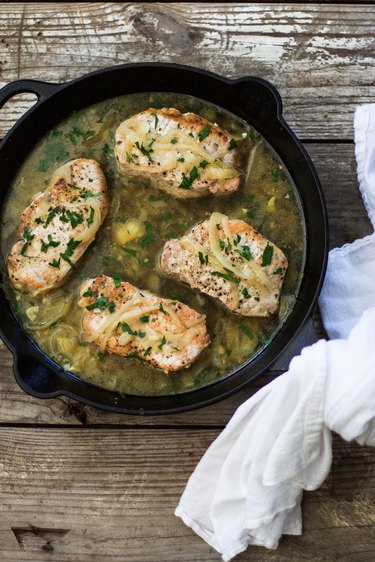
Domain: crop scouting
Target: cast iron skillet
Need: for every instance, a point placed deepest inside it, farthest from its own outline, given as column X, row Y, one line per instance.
column 252, row 99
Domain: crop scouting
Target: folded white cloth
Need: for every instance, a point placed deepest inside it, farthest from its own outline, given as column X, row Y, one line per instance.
column 248, row 486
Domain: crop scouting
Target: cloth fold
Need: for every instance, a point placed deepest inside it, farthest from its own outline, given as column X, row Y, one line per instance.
column 247, row 488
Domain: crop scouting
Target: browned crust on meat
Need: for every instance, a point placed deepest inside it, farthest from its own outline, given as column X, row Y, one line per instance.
column 189, row 332
column 216, row 143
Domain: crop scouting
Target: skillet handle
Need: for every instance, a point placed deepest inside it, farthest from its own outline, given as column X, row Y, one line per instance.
column 41, row 89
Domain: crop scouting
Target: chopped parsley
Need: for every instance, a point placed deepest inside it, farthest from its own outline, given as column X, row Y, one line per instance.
column 147, row 352
column 228, row 276
column 247, row 331
column 89, row 293
column 71, row 246
column 181, row 159
column 267, row 255
column 203, row 164
column 149, row 236
column 88, row 194
column 166, row 216
column 55, row 263
column 163, row 342
column 161, row 308
column 27, row 238
column 49, row 244
column 174, row 140
column 203, row 258
column 127, row 329
column 278, row 271
column 117, row 278
column 144, row 319
column 245, row 253
column 90, row 218
column 187, row 181
column 184, row 223
column 246, row 293
column 111, row 307
column 107, row 149
column 51, row 215
column 204, row 133
column 232, row 144
column 101, row 303
column 130, row 251
column 277, row 174
column 156, row 119
column 39, row 220
column 88, row 135
column 146, row 152
column 71, row 216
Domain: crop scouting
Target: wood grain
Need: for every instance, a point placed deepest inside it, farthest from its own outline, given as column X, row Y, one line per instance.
column 321, row 57
column 348, row 220
column 114, row 492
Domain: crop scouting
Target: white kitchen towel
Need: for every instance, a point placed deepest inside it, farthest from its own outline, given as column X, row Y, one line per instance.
column 248, row 486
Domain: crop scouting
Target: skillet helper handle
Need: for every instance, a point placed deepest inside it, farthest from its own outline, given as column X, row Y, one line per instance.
column 42, row 90
column 306, row 336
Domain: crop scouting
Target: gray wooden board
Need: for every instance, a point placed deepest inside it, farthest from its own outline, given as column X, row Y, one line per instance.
column 321, row 57
column 106, row 491
column 83, row 494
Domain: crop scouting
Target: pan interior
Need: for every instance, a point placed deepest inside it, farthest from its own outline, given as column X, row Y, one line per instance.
column 267, row 199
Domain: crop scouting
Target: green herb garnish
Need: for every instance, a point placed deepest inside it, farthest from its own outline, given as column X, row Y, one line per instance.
column 117, row 278
column 89, row 293
column 111, row 307
column 181, row 159
column 247, row 331
column 278, row 271
column 203, row 258
column 161, row 308
column 90, row 219
column 107, row 149
column 174, row 140
column 245, row 253
column 232, row 144
column 72, row 217
column 51, row 215
column 27, row 238
column 49, row 244
column 71, row 246
column 101, row 303
column 267, row 255
column 144, row 319
column 156, row 119
column 88, row 135
column 149, row 237
column 246, row 293
column 204, row 133
column 55, row 263
column 228, row 276
column 146, row 152
column 203, row 164
column 187, row 181
column 163, row 342
column 147, row 352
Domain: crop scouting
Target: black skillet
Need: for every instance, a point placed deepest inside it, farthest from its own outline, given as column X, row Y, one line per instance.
column 252, row 99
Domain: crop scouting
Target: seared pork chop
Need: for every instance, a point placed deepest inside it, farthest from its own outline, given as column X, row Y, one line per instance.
column 230, row 261
column 181, row 153
column 58, row 226
column 129, row 322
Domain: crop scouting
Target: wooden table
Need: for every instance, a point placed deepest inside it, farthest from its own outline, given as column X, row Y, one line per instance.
column 78, row 484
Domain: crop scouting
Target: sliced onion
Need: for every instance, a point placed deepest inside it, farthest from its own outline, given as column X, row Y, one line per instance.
column 251, row 161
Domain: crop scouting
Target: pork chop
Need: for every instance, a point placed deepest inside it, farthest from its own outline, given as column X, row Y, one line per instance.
column 180, row 153
column 58, row 226
column 129, row 322
column 230, row 261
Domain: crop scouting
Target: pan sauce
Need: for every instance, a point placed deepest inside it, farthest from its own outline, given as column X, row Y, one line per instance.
column 266, row 199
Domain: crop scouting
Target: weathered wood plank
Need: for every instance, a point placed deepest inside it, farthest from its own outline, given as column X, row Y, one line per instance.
column 321, row 57
column 110, row 495
column 348, row 220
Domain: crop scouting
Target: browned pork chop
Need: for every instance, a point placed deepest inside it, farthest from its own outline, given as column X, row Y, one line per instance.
column 181, row 153
column 58, row 226
column 129, row 322
column 229, row 260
